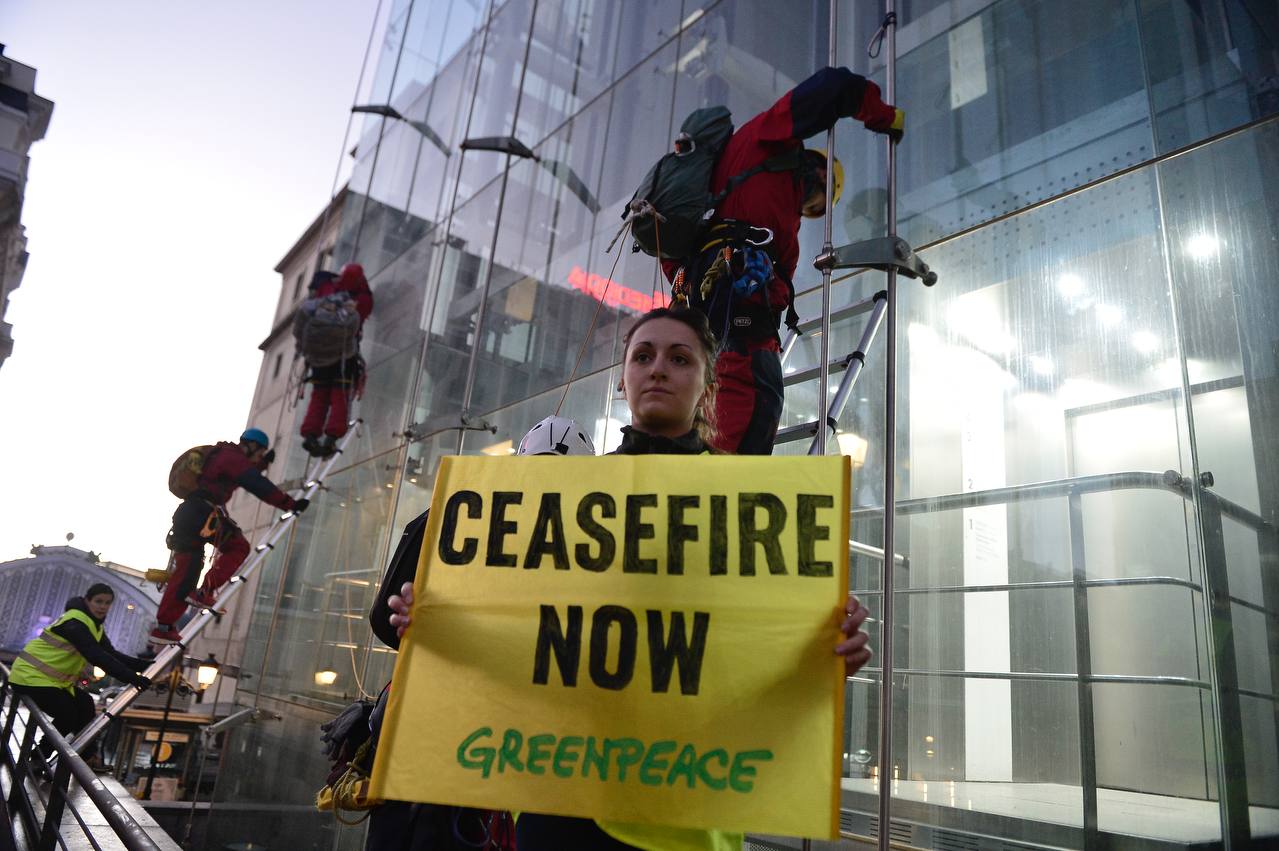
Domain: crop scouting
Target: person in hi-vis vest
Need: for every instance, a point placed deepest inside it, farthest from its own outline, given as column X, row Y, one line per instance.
column 49, row 666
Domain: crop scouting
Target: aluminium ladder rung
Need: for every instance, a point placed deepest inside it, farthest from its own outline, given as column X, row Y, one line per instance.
column 853, row 365
column 204, row 617
column 855, row 309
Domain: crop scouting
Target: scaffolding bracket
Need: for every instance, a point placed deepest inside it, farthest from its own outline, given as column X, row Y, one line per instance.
column 883, row 253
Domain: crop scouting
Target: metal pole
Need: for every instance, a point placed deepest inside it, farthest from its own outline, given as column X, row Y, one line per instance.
column 471, row 365
column 823, row 374
column 823, row 371
column 890, row 456
column 175, row 677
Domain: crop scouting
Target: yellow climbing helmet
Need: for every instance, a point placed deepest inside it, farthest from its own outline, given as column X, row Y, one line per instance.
column 815, row 159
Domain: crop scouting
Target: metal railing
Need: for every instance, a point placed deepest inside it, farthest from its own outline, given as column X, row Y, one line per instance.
column 40, row 798
column 1213, row 585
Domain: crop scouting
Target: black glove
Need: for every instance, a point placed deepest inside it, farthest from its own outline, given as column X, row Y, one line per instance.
column 269, row 457
column 299, row 505
column 143, row 683
column 894, row 129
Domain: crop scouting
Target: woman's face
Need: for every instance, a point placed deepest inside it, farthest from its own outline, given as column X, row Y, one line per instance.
column 664, row 377
column 99, row 605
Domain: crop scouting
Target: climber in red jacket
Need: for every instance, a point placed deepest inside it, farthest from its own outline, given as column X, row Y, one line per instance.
column 755, row 236
column 334, row 385
column 202, row 518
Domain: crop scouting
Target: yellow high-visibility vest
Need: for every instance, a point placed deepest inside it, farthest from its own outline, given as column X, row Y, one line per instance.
column 50, row 660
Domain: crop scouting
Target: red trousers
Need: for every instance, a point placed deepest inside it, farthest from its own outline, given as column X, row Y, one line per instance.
column 748, row 397
column 230, row 554
column 326, row 400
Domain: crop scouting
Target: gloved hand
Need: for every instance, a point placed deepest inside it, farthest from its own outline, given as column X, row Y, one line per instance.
column 299, row 505
column 269, row 457
column 894, row 128
column 143, row 683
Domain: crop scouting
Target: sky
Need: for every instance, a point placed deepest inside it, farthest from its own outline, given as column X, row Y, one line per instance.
column 190, row 146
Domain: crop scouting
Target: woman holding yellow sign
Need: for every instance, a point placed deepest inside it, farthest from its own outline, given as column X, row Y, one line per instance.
column 668, row 380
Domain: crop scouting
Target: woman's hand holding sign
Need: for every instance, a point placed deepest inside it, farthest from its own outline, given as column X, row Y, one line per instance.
column 401, row 604
column 853, row 648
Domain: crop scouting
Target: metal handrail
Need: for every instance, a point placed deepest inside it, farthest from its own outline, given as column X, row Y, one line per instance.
column 1169, row 480
column 69, row 766
column 1214, row 587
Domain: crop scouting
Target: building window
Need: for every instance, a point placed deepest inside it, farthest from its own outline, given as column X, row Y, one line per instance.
column 279, row 361
column 297, row 286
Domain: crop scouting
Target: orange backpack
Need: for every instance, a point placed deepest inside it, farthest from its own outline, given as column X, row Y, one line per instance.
column 184, row 475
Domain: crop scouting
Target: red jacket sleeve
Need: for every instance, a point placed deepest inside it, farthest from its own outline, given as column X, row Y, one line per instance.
column 241, row 471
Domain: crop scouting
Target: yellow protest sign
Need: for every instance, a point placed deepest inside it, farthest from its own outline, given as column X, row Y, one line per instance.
column 630, row 639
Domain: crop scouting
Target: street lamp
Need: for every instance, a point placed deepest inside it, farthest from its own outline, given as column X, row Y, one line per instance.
column 387, row 111
column 561, row 171
column 207, row 672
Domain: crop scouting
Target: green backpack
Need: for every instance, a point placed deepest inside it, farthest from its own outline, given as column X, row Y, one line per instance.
column 674, row 203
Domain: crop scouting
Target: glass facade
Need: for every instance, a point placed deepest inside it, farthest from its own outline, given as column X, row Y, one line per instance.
column 1087, row 604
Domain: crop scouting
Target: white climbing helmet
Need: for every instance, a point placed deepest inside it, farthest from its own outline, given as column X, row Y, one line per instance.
column 556, row 436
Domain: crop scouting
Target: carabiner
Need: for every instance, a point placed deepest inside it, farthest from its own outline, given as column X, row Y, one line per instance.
column 758, row 243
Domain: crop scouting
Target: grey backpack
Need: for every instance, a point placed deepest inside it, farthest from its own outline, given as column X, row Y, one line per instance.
column 327, row 329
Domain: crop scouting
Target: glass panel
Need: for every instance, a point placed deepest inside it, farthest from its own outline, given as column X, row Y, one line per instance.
column 498, row 96
column 570, row 62
column 1034, row 362
column 540, row 299
column 1012, row 105
column 1222, row 212
column 333, row 567
column 1210, row 66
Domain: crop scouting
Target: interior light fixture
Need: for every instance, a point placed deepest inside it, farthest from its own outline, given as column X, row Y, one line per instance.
column 1145, row 342
column 1042, row 365
column 1109, row 314
column 1203, row 246
column 1070, row 285
column 503, row 448
column 852, row 445
column 325, row 678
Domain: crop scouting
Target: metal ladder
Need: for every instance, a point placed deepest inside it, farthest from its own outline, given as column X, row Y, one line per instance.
column 173, row 652
column 883, row 253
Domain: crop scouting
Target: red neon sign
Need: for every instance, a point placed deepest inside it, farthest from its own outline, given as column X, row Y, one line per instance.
column 614, row 294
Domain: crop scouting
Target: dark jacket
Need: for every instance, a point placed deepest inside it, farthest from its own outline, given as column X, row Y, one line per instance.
column 642, row 443
column 402, row 568
column 101, row 653
column 228, row 468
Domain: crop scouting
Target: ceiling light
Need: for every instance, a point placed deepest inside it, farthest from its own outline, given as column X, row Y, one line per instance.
column 1070, row 285
column 1145, row 342
column 1202, row 246
column 325, row 678
column 503, row 448
column 1109, row 314
column 852, row 445
column 1042, row 365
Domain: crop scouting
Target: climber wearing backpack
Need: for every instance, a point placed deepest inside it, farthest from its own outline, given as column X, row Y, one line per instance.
column 327, row 329
column 723, row 212
column 205, row 477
